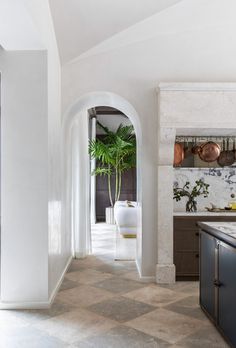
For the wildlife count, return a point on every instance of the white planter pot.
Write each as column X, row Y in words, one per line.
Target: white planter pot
column 110, row 216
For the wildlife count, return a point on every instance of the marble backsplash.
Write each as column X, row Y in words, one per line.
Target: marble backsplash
column 222, row 183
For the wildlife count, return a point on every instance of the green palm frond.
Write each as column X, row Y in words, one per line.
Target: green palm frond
column 100, row 151
column 102, row 171
column 115, row 153
column 125, row 132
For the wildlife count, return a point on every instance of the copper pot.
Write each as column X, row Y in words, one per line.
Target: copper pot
column 226, row 157
column 209, row 152
column 178, row 154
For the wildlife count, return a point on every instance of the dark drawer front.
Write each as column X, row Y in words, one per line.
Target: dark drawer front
column 186, row 240
column 186, row 223
column 187, row 263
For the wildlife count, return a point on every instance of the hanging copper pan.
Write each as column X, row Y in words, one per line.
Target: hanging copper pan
column 226, row 157
column 195, row 148
column 178, row 154
column 209, row 152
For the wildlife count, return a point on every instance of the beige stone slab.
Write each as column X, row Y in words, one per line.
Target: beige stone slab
column 133, row 275
column 155, row 295
column 12, row 319
column 166, row 325
column 28, row 337
column 207, row 337
column 76, row 325
column 83, row 296
column 88, row 276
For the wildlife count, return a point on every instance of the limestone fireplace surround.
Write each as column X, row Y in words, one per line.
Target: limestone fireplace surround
column 185, row 109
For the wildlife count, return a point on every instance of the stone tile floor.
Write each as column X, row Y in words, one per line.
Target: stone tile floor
column 103, row 304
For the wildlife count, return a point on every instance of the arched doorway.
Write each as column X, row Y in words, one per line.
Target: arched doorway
column 74, row 205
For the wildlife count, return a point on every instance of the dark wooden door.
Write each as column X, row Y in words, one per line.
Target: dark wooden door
column 128, row 191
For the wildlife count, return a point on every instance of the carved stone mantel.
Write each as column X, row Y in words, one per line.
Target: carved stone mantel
column 185, row 109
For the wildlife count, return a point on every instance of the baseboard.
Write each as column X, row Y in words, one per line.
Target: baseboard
column 79, row 255
column 146, row 279
column 24, row 305
column 38, row 305
column 58, row 285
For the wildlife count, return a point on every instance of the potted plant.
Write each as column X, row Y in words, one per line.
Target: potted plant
column 115, row 154
column 200, row 188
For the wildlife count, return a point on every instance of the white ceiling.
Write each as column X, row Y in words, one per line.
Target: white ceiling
column 83, row 24
column 200, row 16
column 112, row 122
column 17, row 29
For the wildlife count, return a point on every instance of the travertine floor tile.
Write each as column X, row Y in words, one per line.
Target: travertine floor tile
column 76, row 325
column 88, row 276
column 113, row 268
column 207, row 337
column 83, row 296
column 11, row 319
column 37, row 315
column 155, row 295
column 188, row 306
column 68, row 284
column 133, row 275
column 121, row 309
column 166, row 325
column 28, row 337
column 118, row 285
column 84, row 315
column 122, row 337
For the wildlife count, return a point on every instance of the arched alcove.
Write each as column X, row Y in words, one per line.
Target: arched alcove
column 72, row 115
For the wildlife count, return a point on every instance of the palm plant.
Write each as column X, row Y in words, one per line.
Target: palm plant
column 115, row 153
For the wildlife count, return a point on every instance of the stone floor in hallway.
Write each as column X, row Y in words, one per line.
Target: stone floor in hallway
column 103, row 304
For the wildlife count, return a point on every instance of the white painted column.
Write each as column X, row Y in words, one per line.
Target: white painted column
column 93, row 177
column 81, row 186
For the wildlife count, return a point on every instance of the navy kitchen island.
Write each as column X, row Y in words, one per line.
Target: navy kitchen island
column 218, row 275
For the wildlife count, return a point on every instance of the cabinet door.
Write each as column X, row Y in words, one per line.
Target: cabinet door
column 227, row 291
column 207, row 273
column 186, row 263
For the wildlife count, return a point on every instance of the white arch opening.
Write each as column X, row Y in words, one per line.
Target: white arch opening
column 76, row 207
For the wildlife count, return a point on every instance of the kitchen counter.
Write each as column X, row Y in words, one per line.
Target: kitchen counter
column 225, row 231
column 204, row 213
column 186, row 239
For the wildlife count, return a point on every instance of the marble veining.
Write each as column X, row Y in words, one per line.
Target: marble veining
column 222, row 183
column 228, row 228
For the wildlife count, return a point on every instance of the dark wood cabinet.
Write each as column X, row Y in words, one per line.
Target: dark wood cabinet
column 186, row 244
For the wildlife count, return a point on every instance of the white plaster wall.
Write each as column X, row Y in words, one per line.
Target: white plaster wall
column 24, row 182
column 59, row 239
column 57, row 243
column 133, row 71
column 182, row 43
column 79, row 79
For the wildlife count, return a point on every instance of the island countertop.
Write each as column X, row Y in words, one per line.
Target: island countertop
column 204, row 213
column 225, row 231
